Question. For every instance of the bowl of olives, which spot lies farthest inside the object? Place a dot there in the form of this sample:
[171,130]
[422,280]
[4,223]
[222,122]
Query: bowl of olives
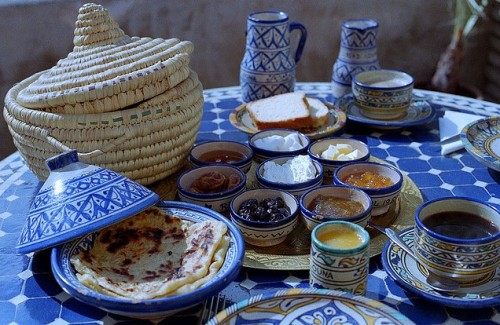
[264,216]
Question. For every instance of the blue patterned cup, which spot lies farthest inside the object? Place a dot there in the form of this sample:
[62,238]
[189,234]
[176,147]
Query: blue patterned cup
[383,94]
[339,257]
[458,237]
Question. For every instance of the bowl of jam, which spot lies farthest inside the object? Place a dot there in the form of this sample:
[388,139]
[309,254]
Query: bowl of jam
[335,203]
[382,182]
[222,152]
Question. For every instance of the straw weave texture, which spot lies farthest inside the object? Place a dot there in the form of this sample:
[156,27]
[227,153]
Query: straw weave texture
[129,104]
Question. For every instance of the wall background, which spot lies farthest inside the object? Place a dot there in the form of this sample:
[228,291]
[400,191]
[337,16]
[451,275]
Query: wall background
[412,35]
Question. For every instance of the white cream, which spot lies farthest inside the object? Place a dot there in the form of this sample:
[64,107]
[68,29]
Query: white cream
[296,170]
[341,151]
[278,143]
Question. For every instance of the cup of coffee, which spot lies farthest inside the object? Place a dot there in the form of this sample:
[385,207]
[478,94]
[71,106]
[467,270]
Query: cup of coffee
[458,237]
[339,257]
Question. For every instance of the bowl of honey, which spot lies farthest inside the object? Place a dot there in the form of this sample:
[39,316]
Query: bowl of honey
[333,202]
[221,152]
[382,182]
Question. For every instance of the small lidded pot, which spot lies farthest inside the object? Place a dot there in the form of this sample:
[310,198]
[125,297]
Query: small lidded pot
[382,182]
[212,186]
[335,151]
[272,143]
[458,237]
[265,217]
[331,203]
[383,94]
[222,152]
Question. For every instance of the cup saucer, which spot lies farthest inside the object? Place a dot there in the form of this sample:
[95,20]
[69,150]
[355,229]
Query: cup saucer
[420,112]
[402,268]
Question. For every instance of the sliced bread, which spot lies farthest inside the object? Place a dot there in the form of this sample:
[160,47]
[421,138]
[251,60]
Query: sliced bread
[289,110]
[319,111]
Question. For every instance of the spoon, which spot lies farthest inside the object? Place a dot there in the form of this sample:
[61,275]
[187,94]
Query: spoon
[435,281]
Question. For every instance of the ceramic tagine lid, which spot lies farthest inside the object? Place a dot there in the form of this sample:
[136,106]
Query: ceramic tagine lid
[77,199]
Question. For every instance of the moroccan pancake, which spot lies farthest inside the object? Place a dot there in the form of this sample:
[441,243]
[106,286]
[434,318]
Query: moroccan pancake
[153,254]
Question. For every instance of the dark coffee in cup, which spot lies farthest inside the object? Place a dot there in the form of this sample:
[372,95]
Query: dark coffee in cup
[461,225]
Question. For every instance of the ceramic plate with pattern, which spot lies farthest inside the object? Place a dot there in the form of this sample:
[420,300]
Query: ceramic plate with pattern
[240,119]
[157,307]
[410,275]
[482,140]
[309,306]
[420,112]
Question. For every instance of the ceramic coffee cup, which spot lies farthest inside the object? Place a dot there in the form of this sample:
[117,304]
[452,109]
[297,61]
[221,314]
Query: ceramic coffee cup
[339,257]
[458,237]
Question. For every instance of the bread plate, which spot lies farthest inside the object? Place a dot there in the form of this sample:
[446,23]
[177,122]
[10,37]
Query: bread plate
[158,307]
[241,120]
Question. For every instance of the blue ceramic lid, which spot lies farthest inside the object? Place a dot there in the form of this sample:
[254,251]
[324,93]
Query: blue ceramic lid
[77,199]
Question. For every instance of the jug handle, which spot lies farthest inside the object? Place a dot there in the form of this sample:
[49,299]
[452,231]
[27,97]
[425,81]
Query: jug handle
[302,41]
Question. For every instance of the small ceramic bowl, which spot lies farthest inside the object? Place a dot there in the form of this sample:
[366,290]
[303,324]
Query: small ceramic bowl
[296,189]
[217,201]
[458,237]
[311,219]
[382,197]
[318,147]
[225,152]
[273,143]
[383,94]
[265,233]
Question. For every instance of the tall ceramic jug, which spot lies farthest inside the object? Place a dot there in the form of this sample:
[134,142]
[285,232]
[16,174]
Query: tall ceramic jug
[268,66]
[358,53]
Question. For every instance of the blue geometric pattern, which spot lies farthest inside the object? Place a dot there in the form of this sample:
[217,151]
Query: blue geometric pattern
[30,295]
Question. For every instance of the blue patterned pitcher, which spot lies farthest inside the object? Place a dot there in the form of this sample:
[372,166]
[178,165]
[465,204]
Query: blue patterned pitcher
[268,66]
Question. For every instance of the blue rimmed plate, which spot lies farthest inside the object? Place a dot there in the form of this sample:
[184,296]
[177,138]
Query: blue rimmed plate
[241,120]
[420,112]
[410,275]
[482,140]
[309,306]
[158,307]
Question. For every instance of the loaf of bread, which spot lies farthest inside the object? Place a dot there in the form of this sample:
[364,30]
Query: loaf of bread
[290,110]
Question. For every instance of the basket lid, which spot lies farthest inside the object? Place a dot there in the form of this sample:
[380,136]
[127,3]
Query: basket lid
[107,69]
[77,199]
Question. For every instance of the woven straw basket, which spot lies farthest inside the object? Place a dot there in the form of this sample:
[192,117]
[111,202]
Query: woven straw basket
[124,103]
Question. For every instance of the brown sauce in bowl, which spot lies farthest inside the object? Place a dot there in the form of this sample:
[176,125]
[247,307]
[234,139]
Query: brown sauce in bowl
[335,207]
[222,156]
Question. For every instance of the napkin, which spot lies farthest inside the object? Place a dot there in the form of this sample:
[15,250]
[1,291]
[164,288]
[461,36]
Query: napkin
[451,124]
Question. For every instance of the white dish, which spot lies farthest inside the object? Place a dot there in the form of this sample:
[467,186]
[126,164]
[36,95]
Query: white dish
[410,275]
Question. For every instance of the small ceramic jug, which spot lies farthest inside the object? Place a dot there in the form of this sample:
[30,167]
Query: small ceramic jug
[268,66]
[358,53]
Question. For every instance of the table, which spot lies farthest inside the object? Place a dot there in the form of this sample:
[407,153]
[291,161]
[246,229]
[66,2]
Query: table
[30,295]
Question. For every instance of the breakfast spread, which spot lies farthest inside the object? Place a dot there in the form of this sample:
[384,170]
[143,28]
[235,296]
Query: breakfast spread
[368,180]
[290,110]
[276,142]
[334,206]
[341,151]
[296,170]
[267,210]
[153,254]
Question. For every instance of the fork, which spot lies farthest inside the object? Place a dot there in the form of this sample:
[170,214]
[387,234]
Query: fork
[211,307]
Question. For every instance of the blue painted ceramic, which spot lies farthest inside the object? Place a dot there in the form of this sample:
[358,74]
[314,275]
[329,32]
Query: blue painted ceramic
[268,65]
[261,154]
[210,146]
[158,307]
[77,199]
[482,140]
